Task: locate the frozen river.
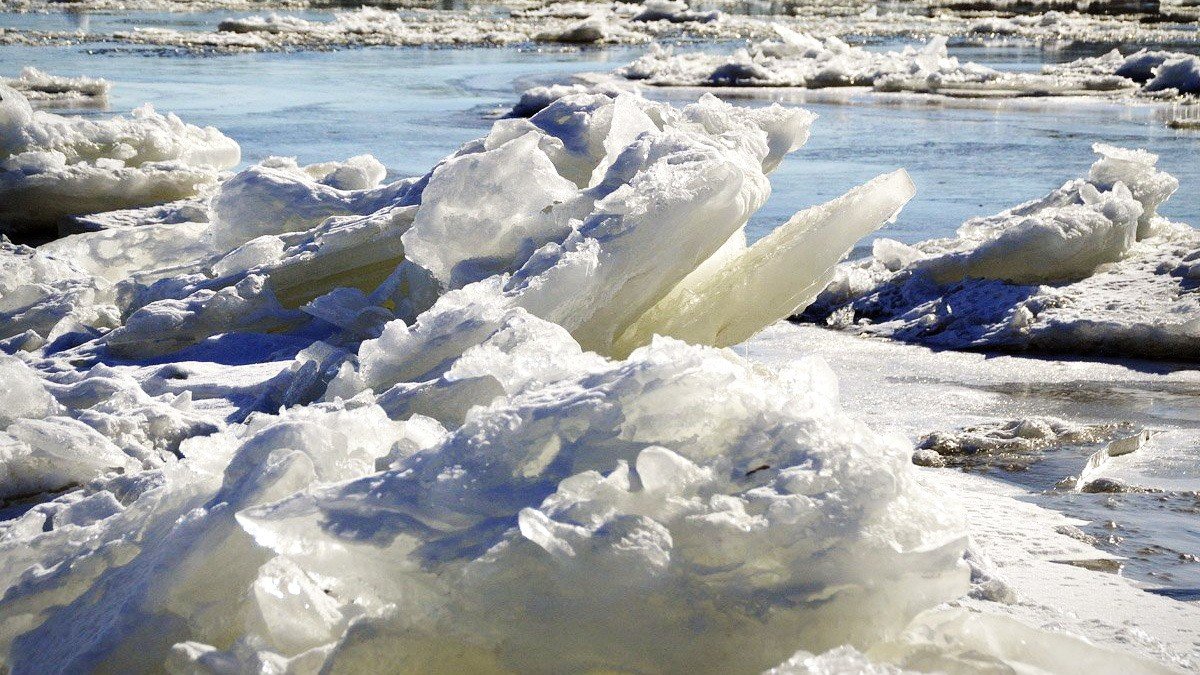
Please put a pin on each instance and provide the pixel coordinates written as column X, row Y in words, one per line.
column 412, row 106
column 309, row 361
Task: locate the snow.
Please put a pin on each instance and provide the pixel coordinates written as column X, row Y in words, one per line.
column 54, row 166
column 1088, row 269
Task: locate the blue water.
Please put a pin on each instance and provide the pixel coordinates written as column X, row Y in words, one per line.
column 411, row 106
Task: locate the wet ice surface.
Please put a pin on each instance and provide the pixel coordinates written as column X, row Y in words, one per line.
column 407, row 105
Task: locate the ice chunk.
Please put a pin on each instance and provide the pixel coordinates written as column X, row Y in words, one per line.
column 41, row 88
column 480, row 212
column 54, row 453
column 1063, row 274
column 1051, row 244
column 536, row 99
column 467, row 350
column 668, row 192
column 47, row 295
column 56, row 166
column 1180, row 72
column 1135, row 169
column 279, row 196
column 682, row 468
column 768, row 281
column 169, row 325
column 22, row 393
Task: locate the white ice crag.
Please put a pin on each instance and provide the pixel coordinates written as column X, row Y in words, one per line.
column 598, row 489
column 52, row 167
column 43, row 89
column 799, row 60
column 1088, row 269
column 596, row 208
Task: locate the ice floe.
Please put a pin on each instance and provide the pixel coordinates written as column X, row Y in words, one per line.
column 795, row 59
column 573, row 24
column 52, row 166
column 46, row 90
column 1088, row 269
column 600, row 24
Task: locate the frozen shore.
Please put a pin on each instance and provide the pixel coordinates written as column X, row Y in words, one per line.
column 317, row 420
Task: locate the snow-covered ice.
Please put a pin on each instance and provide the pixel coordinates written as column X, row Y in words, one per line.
column 1088, row 269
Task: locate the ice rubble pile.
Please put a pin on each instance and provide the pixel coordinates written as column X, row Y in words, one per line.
column 565, row 215
column 798, row 60
column 1088, row 269
column 515, row 21
column 680, row 510
column 569, row 23
column 43, row 89
column 53, row 166
column 456, row 476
